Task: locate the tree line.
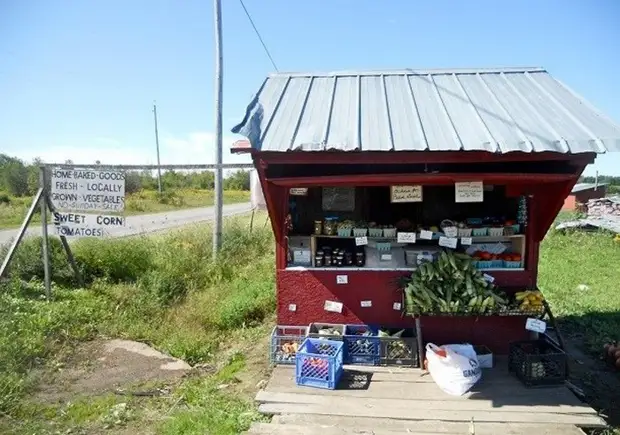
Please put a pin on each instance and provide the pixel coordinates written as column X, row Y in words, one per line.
column 19, row 178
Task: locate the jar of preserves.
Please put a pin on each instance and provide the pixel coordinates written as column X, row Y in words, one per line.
column 330, row 226
column 319, row 260
column 360, row 259
column 318, row 228
column 327, row 261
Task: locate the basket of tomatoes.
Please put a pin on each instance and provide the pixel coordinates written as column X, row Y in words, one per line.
column 511, row 260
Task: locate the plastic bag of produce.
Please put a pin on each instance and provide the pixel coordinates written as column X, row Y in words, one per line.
column 454, row 368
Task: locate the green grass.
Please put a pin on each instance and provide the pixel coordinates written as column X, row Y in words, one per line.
column 579, row 274
column 13, row 210
column 163, row 290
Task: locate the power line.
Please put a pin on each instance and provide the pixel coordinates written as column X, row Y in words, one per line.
column 259, row 37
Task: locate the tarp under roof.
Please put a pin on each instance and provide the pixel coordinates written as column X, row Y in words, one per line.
column 495, row 110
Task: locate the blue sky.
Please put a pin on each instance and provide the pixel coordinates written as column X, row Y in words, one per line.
column 78, row 78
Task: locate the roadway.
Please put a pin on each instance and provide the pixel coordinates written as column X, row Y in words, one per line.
column 146, row 223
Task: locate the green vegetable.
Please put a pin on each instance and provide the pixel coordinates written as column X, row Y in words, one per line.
column 451, row 284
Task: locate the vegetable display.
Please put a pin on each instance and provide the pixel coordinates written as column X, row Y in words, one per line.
column 451, row 284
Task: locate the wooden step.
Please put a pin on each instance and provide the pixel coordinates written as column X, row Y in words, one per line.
column 346, row 408
column 289, row 429
column 394, row 426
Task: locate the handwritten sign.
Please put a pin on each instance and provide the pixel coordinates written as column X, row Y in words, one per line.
column 396, row 306
column 298, row 191
column 406, row 193
column 342, row 279
column 535, row 325
column 366, row 304
column 469, row 191
column 334, row 307
column 405, row 237
column 292, row 307
column 386, row 257
column 361, row 241
column 426, row 235
column 448, row 242
column 88, row 190
column 466, row 241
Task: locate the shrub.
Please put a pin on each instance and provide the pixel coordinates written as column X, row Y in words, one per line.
column 118, row 260
column 28, row 261
column 4, row 198
column 249, row 303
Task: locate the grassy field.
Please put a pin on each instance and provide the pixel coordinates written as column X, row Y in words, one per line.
column 166, row 291
column 13, row 210
column 162, row 290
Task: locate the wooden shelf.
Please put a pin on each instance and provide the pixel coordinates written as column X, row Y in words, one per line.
column 393, row 239
column 374, row 269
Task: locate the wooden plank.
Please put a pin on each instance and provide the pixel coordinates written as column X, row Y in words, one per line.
column 345, row 408
column 278, row 429
column 498, row 394
column 439, row 427
column 404, row 405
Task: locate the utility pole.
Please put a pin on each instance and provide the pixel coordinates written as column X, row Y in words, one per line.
column 217, row 227
column 157, row 146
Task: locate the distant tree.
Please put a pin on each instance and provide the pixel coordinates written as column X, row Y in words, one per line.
column 13, row 176
column 133, row 182
column 238, row 180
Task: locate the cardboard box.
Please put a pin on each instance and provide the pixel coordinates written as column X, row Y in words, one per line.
column 485, row 357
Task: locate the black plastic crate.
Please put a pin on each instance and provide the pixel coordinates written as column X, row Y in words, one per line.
column 538, row 363
column 399, row 351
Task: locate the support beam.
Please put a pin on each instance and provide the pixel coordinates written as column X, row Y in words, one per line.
column 20, row 234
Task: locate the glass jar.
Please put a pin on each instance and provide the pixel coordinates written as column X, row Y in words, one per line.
column 348, row 258
column 340, row 260
column 318, row 228
column 360, row 259
column 328, row 260
column 330, row 226
column 319, row 260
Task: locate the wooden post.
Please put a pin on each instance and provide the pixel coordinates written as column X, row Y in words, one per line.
column 44, row 236
column 252, row 220
column 65, row 245
column 21, row 233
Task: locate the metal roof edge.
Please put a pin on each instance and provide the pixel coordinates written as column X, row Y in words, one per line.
column 409, row 71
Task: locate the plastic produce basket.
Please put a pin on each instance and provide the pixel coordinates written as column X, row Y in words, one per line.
column 512, row 264
column 344, row 231
column 389, row 233
column 497, row 264
column 399, row 351
column 314, row 328
column 285, row 340
column 375, row 232
column 496, row 231
column 479, row 232
column 361, row 345
column 360, row 232
column 484, row 264
column 319, row 363
column 537, row 363
column 464, row 232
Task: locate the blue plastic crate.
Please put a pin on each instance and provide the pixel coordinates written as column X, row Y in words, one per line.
column 361, row 345
column 319, row 363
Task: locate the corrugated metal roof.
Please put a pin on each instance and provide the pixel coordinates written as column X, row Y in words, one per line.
column 496, row 110
column 585, row 186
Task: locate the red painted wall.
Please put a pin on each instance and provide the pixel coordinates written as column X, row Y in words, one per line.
column 308, row 291
column 569, row 203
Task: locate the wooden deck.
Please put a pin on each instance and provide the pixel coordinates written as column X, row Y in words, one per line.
column 388, row 401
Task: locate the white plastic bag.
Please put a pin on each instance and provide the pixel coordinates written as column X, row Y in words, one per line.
column 457, row 371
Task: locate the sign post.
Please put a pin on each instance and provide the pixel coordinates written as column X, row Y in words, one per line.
column 44, row 237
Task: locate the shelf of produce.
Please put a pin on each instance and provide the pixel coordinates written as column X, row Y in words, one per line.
column 378, row 269
column 475, row 239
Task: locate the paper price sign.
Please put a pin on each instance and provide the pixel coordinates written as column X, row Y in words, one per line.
column 405, row 237
column 470, row 191
column 361, row 241
column 342, row 279
column 426, row 235
column 366, row 304
column 396, row 306
column 466, row 241
column 448, row 242
column 386, row 257
column 334, row 307
column 535, row 325
column 489, row 278
column 292, row 307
